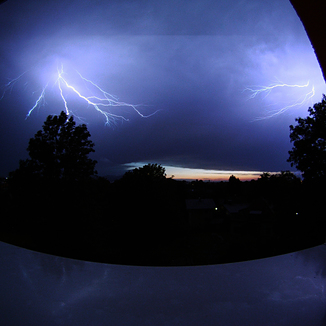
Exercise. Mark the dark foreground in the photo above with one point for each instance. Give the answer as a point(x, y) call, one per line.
point(153, 224)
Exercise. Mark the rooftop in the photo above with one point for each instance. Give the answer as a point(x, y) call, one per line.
point(200, 203)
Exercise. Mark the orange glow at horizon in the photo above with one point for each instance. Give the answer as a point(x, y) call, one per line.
point(209, 175)
point(189, 174)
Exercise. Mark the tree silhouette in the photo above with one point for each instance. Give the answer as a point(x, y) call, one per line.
point(58, 152)
point(309, 143)
point(234, 180)
point(282, 177)
point(146, 173)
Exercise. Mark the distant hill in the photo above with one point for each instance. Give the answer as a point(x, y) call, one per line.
point(112, 177)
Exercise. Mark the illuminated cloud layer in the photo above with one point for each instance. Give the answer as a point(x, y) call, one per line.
point(181, 173)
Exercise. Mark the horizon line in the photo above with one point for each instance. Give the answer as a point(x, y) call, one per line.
point(192, 174)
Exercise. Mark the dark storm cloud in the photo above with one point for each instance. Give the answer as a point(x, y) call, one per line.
point(191, 60)
point(145, 17)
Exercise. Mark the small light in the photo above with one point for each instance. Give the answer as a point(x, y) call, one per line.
point(216, 208)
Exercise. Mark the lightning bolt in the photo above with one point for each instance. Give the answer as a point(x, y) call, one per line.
point(100, 100)
point(266, 90)
point(39, 102)
point(9, 86)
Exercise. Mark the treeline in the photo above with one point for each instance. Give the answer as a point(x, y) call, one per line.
point(142, 218)
point(55, 203)
point(93, 219)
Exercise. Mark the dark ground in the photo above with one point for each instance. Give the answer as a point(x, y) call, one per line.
point(147, 223)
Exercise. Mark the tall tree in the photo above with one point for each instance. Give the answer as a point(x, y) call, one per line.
point(309, 143)
point(59, 152)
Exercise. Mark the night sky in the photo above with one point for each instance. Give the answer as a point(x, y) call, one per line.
point(181, 75)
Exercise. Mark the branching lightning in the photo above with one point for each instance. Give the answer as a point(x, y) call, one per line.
point(39, 102)
point(267, 90)
point(96, 97)
point(9, 86)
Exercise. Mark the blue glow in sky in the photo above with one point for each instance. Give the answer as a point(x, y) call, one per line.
point(192, 63)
